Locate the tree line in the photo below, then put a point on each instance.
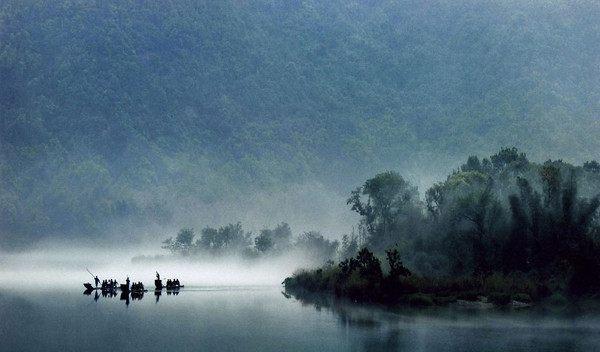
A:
(499, 225)
(92, 136)
(232, 239)
(504, 218)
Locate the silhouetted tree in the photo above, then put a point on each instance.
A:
(389, 207)
(592, 166)
(263, 242)
(182, 243)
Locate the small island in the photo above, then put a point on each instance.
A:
(499, 231)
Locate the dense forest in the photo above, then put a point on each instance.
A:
(129, 113)
(501, 226)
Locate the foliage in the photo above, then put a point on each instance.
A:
(278, 239)
(128, 113)
(263, 243)
(388, 206)
(183, 242)
(316, 246)
(348, 247)
(505, 226)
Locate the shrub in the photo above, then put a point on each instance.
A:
(522, 297)
(499, 299)
(557, 299)
(471, 296)
(420, 300)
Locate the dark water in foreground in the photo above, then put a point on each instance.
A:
(263, 319)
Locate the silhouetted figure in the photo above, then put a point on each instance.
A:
(157, 276)
(96, 281)
(125, 297)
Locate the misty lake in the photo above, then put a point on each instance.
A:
(264, 319)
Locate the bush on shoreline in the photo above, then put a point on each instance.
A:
(361, 279)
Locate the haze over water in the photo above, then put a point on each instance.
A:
(239, 307)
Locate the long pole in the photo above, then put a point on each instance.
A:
(88, 270)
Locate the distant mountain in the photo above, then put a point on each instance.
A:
(143, 112)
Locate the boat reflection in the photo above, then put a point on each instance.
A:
(125, 296)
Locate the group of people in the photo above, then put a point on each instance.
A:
(112, 285)
(173, 283)
(170, 283)
(107, 285)
(137, 286)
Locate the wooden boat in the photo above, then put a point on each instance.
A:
(89, 286)
(174, 287)
(158, 285)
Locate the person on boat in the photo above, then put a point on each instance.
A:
(96, 281)
(176, 282)
(157, 276)
(169, 283)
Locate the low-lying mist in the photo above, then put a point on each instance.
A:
(37, 269)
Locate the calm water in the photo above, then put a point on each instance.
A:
(263, 319)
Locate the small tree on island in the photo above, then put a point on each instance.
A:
(182, 243)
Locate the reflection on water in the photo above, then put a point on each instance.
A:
(263, 319)
(127, 296)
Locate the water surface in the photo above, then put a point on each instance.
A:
(264, 319)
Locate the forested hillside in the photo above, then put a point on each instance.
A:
(135, 112)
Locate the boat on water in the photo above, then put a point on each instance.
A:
(89, 287)
(125, 288)
(158, 285)
(177, 287)
(111, 285)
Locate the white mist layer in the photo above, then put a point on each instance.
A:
(39, 269)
